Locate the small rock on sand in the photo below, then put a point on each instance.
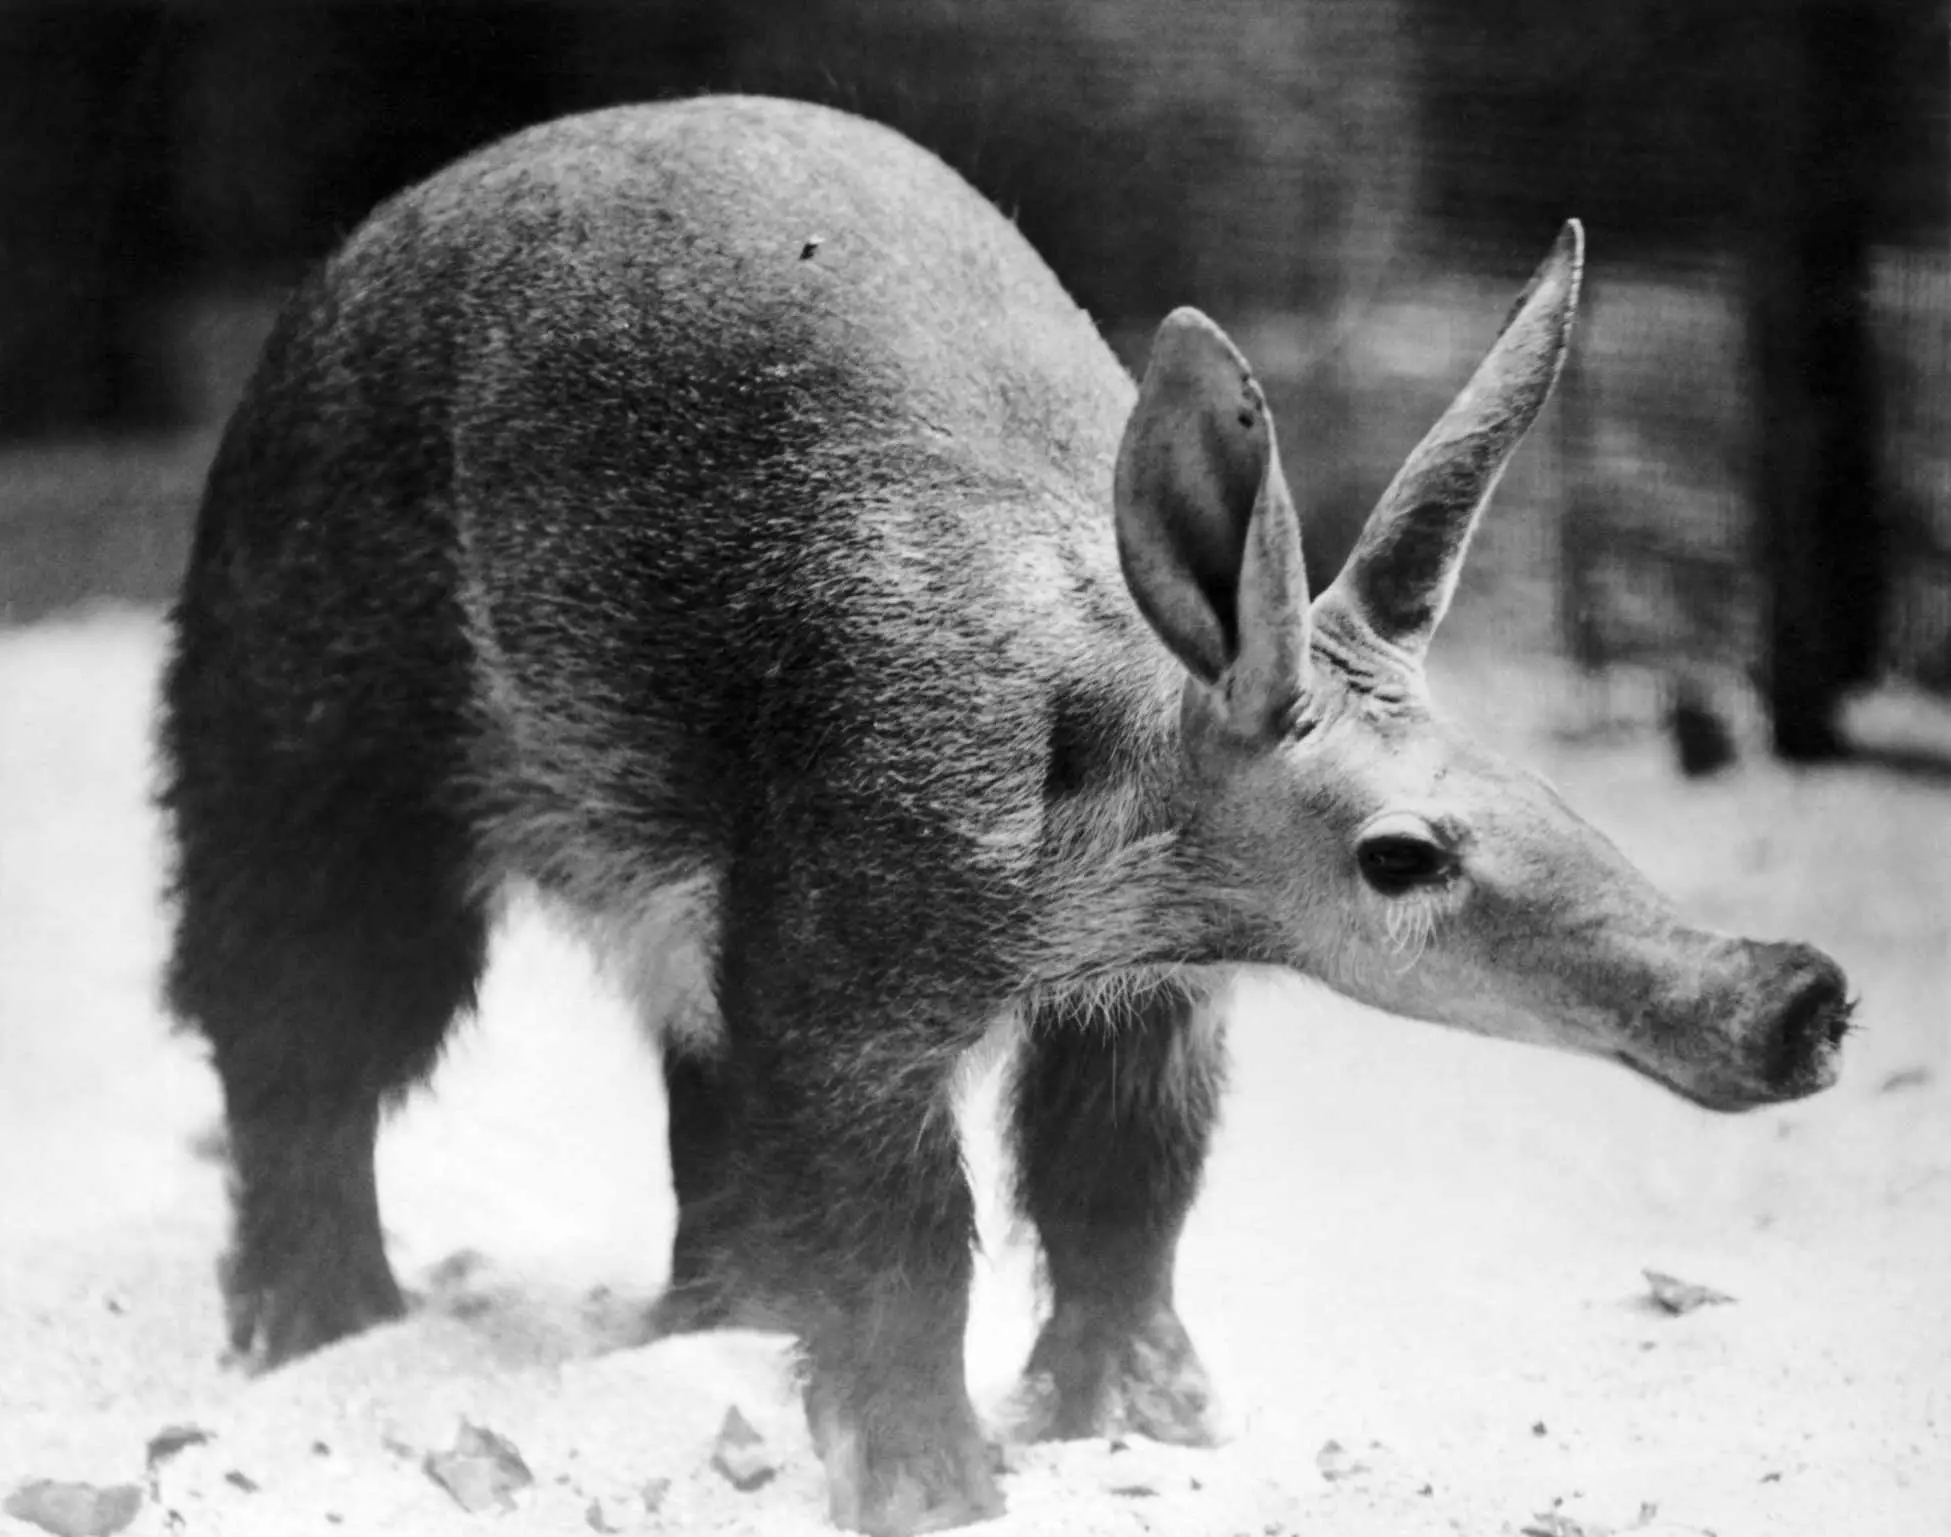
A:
(1676, 1296)
(74, 1509)
(170, 1440)
(1336, 1462)
(741, 1455)
(482, 1472)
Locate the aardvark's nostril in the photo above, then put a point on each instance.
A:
(1812, 1024)
(1836, 1015)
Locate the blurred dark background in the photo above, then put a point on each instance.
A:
(1744, 491)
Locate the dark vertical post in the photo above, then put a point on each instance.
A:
(1821, 519)
(87, 237)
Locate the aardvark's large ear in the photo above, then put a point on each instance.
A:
(1207, 533)
(1399, 578)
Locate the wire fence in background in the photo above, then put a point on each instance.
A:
(1354, 186)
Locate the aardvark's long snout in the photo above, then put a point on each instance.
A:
(1772, 1031)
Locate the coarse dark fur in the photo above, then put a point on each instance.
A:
(715, 515)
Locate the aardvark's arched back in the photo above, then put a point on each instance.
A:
(715, 514)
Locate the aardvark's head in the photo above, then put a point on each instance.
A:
(1369, 843)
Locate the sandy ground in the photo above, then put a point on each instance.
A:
(1424, 1248)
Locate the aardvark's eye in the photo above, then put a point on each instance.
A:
(1402, 856)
